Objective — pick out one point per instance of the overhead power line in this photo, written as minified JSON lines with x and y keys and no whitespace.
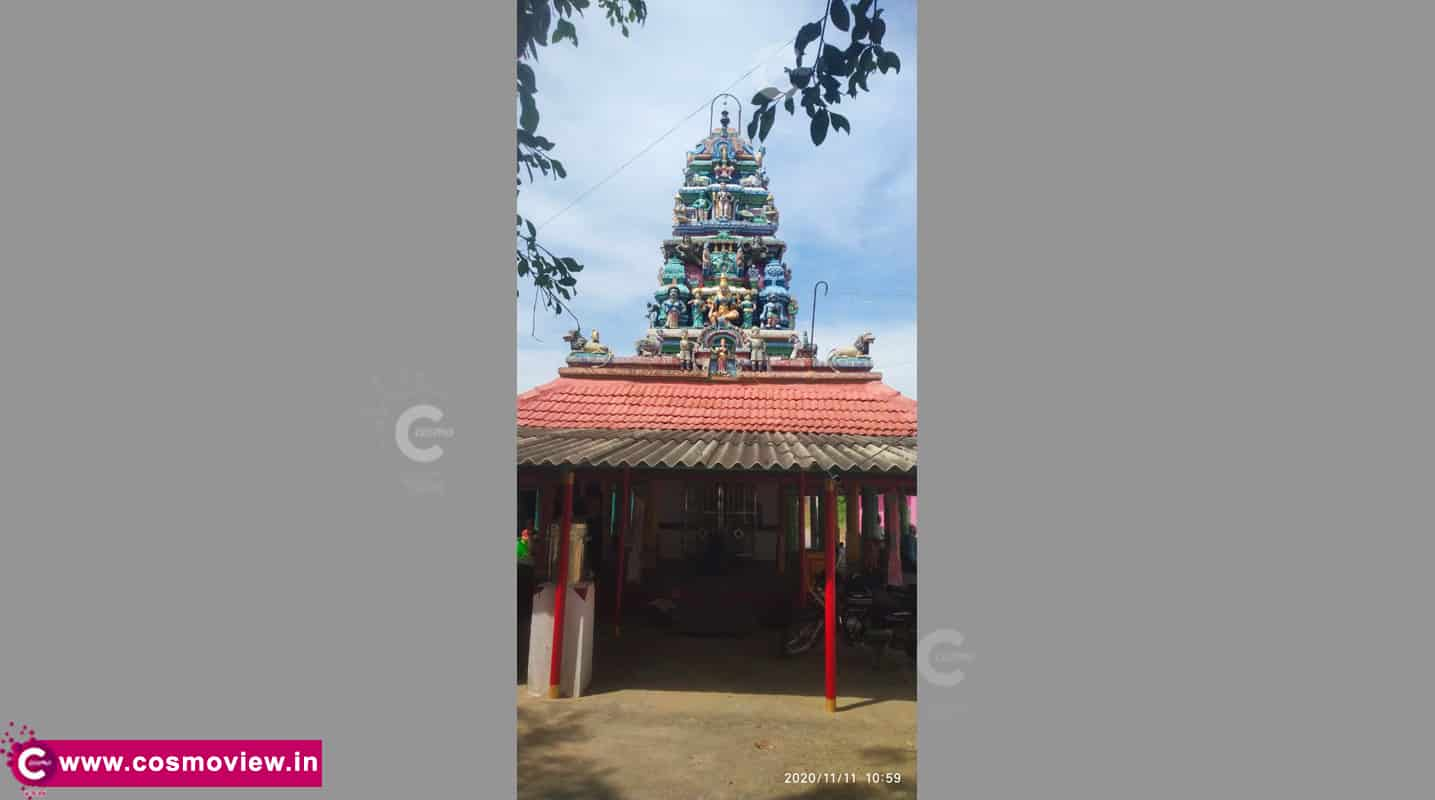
{"x":665,"y":135}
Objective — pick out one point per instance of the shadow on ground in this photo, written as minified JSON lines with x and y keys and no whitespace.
{"x":652,"y":659}
{"x":541,"y":774}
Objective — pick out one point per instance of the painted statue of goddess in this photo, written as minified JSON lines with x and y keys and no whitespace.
{"x":673,"y":308}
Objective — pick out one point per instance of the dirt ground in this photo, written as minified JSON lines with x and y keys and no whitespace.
{"x":672,"y":716}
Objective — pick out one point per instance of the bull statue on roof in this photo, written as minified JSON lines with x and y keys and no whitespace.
{"x":650,"y":345}
{"x":862,"y":346}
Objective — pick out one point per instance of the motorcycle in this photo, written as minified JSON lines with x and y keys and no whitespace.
{"x":867,"y":615}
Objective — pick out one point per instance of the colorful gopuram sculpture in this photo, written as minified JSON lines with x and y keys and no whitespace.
{"x":724,"y":301}
{"x":722,"y":270}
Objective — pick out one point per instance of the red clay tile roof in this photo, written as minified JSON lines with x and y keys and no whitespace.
{"x":861,"y":408}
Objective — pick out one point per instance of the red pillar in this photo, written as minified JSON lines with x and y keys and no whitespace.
{"x":623,"y":504}
{"x":560,"y":585}
{"x":805,"y":579}
{"x":829,"y":537}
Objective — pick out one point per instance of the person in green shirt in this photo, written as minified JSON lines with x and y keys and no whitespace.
{"x":525,"y":550}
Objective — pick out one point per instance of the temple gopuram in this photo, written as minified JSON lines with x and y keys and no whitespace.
{"x":714,"y":455}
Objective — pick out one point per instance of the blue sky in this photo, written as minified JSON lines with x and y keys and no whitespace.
{"x":848,"y":208}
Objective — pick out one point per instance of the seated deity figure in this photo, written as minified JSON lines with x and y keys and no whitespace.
{"x":725,"y":312}
{"x":723,"y":292}
{"x":673,"y":309}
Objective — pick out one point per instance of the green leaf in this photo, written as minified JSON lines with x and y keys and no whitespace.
{"x":525,"y":78}
{"x":838,"y":12}
{"x":767,"y":117}
{"x":806,"y":35}
{"x":833,"y":61}
{"x":558,"y":168}
{"x":529,"y":118}
{"x":788,"y":105}
{"x":889,"y":59}
{"x":752,"y":126}
{"x":532,"y":231}
{"x":766,"y":96}
{"x":840,"y":123}
{"x":879,"y":29}
{"x":819,"y":127}
{"x":565,"y":30}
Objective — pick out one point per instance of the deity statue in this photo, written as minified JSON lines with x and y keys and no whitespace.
{"x":673,"y":308}
{"x":747,"y":309}
{"x":722,"y":205}
{"x":725,"y":312}
{"x":700,"y":316}
{"x":723,"y":292}
{"x":685,"y":351}
{"x":759,"y":351}
{"x":720,"y":357}
{"x":680,"y":210}
{"x":772,"y":314}
{"x":700,"y":209}
{"x":754,"y":278}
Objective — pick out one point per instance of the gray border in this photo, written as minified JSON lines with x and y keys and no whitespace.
{"x":229,"y":229}
{"x":1176,"y":389}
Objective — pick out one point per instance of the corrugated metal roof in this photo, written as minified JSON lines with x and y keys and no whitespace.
{"x":716,"y":450}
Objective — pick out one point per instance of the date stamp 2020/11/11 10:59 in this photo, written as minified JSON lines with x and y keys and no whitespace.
{"x":842,"y":777}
